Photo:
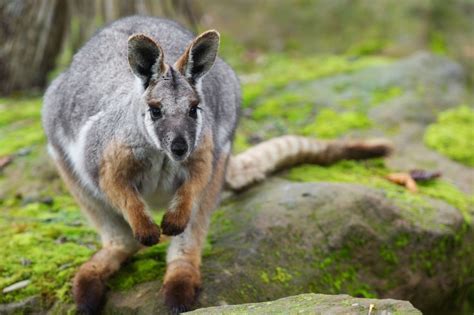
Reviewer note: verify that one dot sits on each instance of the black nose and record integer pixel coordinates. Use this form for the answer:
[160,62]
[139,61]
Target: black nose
[179,146]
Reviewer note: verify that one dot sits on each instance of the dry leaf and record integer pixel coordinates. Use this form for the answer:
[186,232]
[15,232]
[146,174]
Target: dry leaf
[4,161]
[403,179]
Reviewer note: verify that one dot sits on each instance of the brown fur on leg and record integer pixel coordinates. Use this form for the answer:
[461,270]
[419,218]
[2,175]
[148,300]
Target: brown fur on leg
[183,279]
[182,285]
[200,169]
[89,282]
[117,171]
[88,291]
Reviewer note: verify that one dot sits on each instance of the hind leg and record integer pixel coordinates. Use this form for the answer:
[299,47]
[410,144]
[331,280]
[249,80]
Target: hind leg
[182,280]
[118,244]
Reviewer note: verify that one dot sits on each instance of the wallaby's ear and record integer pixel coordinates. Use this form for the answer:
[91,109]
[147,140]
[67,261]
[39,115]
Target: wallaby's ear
[145,57]
[199,57]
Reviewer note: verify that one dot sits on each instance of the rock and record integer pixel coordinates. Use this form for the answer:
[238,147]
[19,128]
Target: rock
[282,238]
[31,305]
[401,98]
[16,286]
[315,304]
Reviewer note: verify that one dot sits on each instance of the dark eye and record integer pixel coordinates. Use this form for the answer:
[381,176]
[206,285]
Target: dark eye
[155,113]
[193,112]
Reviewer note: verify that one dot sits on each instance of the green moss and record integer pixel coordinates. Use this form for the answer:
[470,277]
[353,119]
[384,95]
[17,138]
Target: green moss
[13,110]
[383,95]
[340,273]
[437,43]
[240,143]
[330,124]
[251,93]
[442,250]
[446,191]
[402,240]
[20,124]
[453,134]
[388,255]
[264,277]
[282,275]
[44,244]
[367,47]
[275,109]
[290,106]
[371,173]
[21,136]
[148,265]
[277,71]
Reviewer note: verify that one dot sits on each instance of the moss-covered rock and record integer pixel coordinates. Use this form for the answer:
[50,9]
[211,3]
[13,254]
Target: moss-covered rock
[453,134]
[315,304]
[283,238]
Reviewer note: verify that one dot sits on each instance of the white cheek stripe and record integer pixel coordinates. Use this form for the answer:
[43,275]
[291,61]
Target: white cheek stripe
[138,85]
[199,113]
[198,128]
[150,128]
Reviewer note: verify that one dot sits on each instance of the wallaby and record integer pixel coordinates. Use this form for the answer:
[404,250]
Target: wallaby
[145,116]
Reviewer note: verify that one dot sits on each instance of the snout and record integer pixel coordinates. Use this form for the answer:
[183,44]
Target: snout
[179,147]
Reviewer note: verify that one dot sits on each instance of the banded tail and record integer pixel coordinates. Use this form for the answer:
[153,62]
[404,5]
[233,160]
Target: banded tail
[257,162]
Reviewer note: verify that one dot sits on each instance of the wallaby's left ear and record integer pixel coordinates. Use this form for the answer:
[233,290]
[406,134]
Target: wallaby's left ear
[199,57]
[145,57]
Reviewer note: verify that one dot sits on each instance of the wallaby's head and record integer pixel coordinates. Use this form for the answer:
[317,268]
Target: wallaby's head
[172,108]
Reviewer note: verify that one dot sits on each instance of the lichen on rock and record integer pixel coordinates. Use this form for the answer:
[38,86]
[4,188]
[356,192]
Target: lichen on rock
[315,304]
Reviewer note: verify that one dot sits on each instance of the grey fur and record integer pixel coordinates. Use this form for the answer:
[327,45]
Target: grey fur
[100,80]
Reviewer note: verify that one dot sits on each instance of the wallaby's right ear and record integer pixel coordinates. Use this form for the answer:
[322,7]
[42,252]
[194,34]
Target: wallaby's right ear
[200,56]
[145,57]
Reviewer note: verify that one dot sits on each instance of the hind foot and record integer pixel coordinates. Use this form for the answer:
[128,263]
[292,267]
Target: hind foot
[181,288]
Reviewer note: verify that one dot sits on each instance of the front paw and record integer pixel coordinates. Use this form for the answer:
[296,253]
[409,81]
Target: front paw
[148,234]
[173,224]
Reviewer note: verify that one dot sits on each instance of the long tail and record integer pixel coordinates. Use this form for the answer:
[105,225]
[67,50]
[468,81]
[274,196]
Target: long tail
[275,154]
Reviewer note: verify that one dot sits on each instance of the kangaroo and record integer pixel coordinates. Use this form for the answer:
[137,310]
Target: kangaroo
[145,117]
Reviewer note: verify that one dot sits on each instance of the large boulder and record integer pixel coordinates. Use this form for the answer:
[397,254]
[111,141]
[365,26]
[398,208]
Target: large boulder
[283,238]
[400,99]
[316,304]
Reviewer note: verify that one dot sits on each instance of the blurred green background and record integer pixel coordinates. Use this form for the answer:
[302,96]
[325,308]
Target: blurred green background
[40,37]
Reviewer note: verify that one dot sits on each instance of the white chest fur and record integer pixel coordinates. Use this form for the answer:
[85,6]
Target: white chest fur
[159,183]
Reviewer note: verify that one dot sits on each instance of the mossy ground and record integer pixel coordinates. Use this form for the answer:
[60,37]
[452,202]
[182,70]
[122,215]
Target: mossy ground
[372,173]
[453,134]
[43,236]
[43,243]
[20,124]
